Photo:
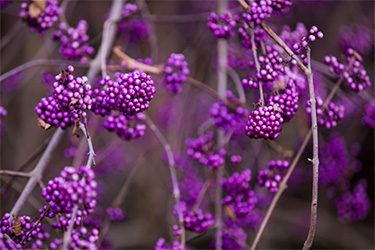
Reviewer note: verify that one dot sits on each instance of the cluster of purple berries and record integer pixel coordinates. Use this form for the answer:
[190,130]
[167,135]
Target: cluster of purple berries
[329,116]
[273,175]
[40,16]
[348,38]
[233,237]
[176,70]
[259,10]
[227,118]
[24,234]
[129,94]
[74,187]
[203,149]
[369,117]
[265,122]
[259,36]
[126,127]
[286,101]
[354,206]
[292,37]
[74,41]
[71,97]
[115,213]
[222,26]
[270,66]
[238,194]
[353,71]
[128,9]
[161,244]
[196,221]
[299,47]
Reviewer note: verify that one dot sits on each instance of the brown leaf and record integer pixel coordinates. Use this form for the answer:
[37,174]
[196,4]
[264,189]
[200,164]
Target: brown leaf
[34,10]
[76,128]
[43,124]
[74,101]
[229,211]
[16,228]
[64,74]
[41,4]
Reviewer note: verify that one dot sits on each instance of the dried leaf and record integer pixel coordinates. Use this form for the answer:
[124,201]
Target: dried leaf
[43,124]
[74,101]
[16,228]
[64,74]
[41,4]
[34,10]
[229,211]
[76,128]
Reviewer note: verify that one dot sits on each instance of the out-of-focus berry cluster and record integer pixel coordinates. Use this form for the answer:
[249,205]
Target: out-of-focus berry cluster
[70,100]
[227,118]
[40,15]
[238,195]
[196,221]
[203,149]
[126,127]
[273,175]
[369,117]
[128,9]
[74,41]
[176,70]
[222,26]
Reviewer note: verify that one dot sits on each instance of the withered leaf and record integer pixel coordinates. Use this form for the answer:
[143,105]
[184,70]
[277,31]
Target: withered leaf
[74,101]
[43,124]
[41,4]
[34,10]
[64,74]
[229,211]
[76,128]
[16,228]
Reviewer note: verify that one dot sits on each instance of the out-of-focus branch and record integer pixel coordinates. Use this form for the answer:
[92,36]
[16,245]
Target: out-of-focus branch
[172,169]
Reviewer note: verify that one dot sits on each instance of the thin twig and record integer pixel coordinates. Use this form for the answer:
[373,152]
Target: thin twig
[315,160]
[15,173]
[91,153]
[203,192]
[237,82]
[255,55]
[172,169]
[68,233]
[38,62]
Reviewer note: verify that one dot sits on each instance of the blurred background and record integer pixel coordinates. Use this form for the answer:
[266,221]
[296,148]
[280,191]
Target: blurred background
[158,29]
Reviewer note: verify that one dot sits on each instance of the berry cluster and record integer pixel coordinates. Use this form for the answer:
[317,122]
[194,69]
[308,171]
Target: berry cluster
[235,159]
[176,71]
[203,150]
[135,30]
[233,237]
[353,71]
[129,94]
[40,15]
[74,41]
[227,118]
[196,221]
[115,213]
[239,196]
[265,123]
[334,161]
[286,101]
[369,117]
[292,37]
[298,48]
[271,177]
[161,244]
[222,26]
[259,36]
[259,10]
[129,9]
[270,66]
[329,116]
[71,97]
[80,239]
[353,206]
[26,231]
[73,187]
[126,127]
[281,5]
